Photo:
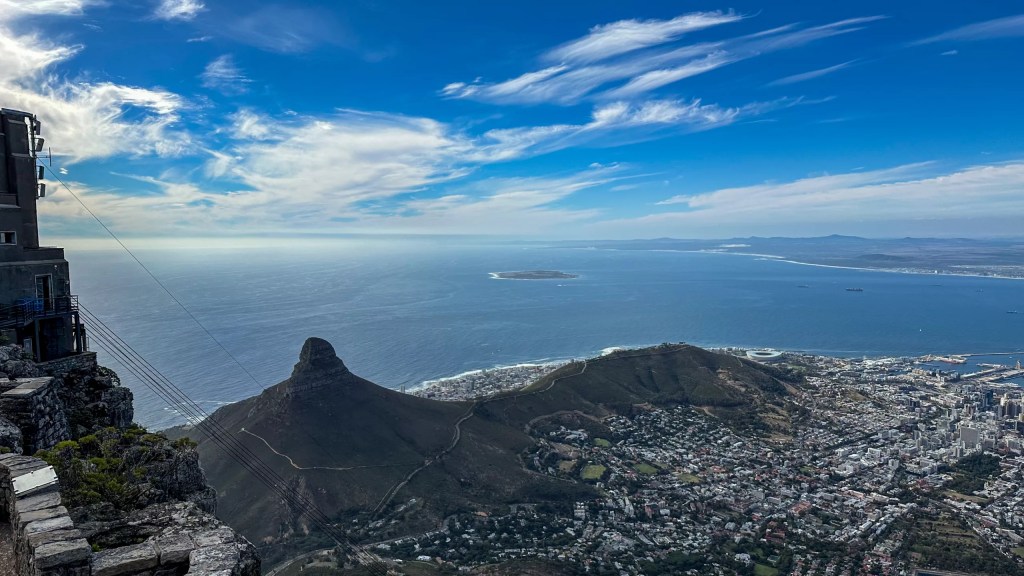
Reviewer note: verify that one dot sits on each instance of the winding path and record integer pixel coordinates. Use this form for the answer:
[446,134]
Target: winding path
[457,432]
[336,469]
[457,436]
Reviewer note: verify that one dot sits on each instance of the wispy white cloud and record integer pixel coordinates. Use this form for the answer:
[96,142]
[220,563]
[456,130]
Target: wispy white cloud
[797,189]
[383,155]
[11,9]
[855,202]
[628,35]
[286,29]
[1008,27]
[804,76]
[289,181]
[388,160]
[84,119]
[631,59]
[497,206]
[178,9]
[223,75]
[655,79]
[619,123]
[247,124]
[950,53]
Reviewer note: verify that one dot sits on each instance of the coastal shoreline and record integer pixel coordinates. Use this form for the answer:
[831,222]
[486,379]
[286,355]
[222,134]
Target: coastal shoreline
[565,276]
[778,258]
[440,388]
[521,374]
[892,271]
[916,272]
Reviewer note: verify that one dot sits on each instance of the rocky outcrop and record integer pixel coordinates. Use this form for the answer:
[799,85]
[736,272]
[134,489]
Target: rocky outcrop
[55,401]
[10,436]
[14,364]
[165,539]
[171,534]
[179,477]
[132,504]
[318,365]
[94,399]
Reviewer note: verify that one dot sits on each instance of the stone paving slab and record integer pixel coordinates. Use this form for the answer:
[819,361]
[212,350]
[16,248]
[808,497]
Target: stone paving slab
[33,503]
[125,560]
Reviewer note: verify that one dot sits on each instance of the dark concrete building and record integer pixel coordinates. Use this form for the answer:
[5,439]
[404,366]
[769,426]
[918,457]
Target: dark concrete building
[37,309]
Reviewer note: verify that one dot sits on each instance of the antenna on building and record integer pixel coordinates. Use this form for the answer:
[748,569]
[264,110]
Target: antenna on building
[39,144]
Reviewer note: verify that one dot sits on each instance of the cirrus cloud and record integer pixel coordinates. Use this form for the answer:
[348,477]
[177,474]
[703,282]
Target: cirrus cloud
[630,59]
[87,119]
[178,9]
[976,200]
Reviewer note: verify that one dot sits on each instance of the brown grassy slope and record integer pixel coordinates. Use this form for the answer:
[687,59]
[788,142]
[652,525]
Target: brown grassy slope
[666,375]
[382,435]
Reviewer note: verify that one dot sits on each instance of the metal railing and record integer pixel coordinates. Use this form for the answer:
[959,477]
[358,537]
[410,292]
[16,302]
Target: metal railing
[26,310]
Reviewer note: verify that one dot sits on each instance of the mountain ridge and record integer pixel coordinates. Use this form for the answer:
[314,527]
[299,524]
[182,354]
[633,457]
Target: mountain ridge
[393,463]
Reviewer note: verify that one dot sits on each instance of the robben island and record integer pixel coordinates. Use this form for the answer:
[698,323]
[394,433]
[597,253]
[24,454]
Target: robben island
[664,459]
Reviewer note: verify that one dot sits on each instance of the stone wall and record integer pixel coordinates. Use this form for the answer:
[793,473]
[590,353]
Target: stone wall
[85,361]
[46,542]
[46,403]
[88,398]
[33,405]
[175,538]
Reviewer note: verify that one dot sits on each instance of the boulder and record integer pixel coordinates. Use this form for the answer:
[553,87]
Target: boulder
[20,369]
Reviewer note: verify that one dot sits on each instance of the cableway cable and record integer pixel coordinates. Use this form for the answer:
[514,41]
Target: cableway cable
[237,451]
[177,399]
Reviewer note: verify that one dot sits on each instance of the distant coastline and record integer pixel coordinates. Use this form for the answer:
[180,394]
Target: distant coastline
[918,271]
[1002,259]
[909,270]
[533,275]
[778,258]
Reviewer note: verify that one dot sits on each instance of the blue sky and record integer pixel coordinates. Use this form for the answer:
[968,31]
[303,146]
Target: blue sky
[196,118]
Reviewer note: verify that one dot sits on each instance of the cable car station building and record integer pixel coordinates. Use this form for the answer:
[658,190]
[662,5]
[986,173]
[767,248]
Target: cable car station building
[37,309]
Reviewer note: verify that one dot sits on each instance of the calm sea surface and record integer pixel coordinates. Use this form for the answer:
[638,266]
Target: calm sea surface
[400,312]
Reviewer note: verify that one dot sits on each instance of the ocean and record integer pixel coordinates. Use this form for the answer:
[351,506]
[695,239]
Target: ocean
[400,312]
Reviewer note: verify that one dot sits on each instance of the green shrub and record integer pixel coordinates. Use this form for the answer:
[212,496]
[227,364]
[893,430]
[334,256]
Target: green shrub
[108,466]
[185,442]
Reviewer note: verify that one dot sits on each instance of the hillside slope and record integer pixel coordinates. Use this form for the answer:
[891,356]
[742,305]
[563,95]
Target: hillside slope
[744,393]
[345,442]
[400,463]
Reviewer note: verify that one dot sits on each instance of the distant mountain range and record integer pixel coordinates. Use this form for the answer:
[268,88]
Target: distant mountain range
[402,463]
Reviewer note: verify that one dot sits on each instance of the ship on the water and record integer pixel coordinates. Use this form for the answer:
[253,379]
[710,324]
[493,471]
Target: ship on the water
[854,289]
